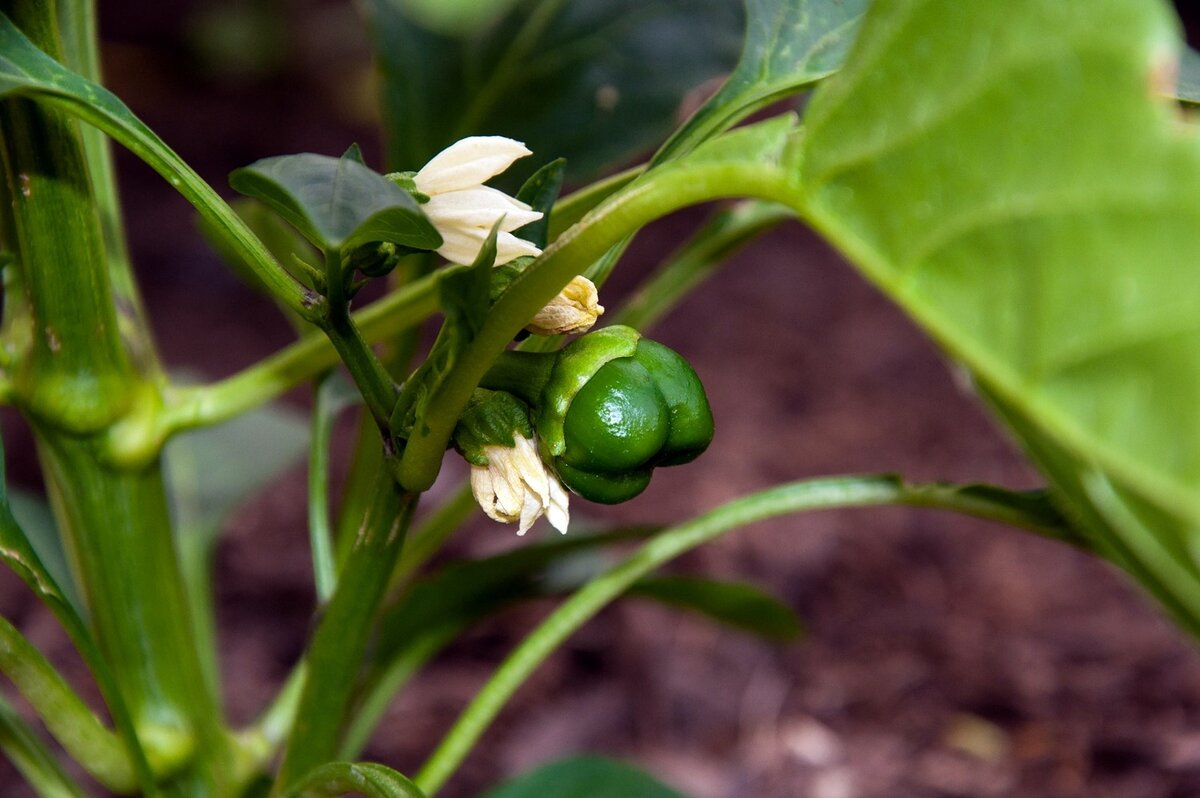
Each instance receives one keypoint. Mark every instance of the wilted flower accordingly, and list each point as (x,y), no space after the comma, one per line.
(574,310)
(516,487)
(464,210)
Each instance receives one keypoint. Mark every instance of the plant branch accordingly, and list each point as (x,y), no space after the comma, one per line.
(817,494)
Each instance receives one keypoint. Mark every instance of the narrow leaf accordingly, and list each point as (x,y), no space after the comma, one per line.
(735,604)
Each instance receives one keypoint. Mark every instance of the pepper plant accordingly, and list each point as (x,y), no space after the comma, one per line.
(1020,176)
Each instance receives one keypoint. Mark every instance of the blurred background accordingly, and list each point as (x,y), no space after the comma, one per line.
(942,656)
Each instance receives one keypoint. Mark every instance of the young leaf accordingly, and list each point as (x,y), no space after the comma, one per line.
(1013,175)
(595,81)
(585,777)
(790,44)
(540,192)
(336,202)
(736,604)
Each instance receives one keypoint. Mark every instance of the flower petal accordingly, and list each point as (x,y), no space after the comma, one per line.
(479,207)
(462,245)
(468,162)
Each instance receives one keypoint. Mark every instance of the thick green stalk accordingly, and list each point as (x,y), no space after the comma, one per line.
(337,648)
(816,494)
(74,382)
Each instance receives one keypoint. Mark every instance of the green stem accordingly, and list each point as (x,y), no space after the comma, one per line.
(293,365)
(523,374)
(817,494)
(428,537)
(655,195)
(340,640)
(367,371)
(101,752)
(81,50)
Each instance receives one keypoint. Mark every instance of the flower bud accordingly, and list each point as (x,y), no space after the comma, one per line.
(508,478)
(574,310)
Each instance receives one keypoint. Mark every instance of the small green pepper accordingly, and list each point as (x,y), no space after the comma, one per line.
(615,407)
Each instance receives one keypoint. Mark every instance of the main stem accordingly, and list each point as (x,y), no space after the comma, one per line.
(76,380)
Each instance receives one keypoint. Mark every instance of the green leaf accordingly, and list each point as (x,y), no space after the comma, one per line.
(540,192)
(594,81)
(358,778)
(1009,173)
(585,777)
(336,202)
(736,604)
(790,44)
(1187,87)
(209,472)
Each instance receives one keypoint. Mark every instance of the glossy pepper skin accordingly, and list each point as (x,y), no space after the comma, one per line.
(615,407)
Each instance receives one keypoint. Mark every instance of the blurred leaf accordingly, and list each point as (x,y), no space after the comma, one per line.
(336,202)
(209,472)
(359,778)
(1009,174)
(33,515)
(762,143)
(1187,87)
(594,81)
(456,17)
(584,777)
(790,44)
(735,604)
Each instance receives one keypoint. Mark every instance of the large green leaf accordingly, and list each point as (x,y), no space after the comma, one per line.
(1011,173)
(790,44)
(594,81)
(585,777)
(336,202)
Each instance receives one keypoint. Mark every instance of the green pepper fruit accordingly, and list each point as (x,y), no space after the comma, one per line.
(615,407)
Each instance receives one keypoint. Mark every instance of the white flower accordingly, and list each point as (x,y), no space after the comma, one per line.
(464,210)
(574,310)
(516,486)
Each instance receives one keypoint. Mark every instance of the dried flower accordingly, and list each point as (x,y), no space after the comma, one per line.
(464,210)
(516,487)
(574,310)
